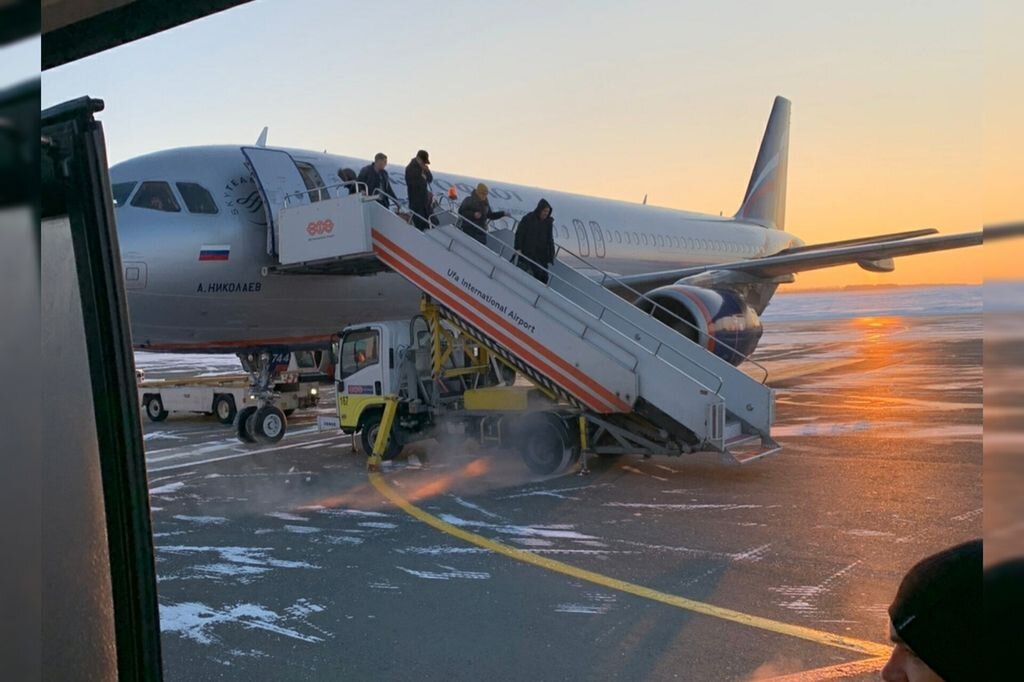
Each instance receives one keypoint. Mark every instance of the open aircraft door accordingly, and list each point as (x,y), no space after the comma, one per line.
(277,177)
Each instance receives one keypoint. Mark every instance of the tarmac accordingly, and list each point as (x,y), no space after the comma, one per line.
(288,561)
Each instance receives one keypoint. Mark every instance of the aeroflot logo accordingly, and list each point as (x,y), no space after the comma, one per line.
(320,227)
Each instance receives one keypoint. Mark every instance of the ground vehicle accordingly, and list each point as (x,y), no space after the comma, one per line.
(441,377)
(295,385)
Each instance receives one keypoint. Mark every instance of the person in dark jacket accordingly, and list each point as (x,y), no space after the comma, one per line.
(417,182)
(476,211)
(377,179)
(348,178)
(535,240)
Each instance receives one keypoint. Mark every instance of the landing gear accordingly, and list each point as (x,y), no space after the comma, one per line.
(246,422)
(270,423)
(263,421)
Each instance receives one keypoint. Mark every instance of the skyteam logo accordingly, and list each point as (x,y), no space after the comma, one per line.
(242,197)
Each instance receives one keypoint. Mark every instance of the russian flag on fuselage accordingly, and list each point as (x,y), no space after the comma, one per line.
(214,252)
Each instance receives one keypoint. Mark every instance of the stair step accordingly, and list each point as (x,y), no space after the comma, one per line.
(738,456)
(741,440)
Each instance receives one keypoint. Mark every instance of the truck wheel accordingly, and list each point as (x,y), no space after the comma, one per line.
(155,408)
(246,424)
(224,408)
(270,423)
(545,444)
(369,430)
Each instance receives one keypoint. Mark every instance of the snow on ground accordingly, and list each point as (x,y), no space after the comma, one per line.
(197,621)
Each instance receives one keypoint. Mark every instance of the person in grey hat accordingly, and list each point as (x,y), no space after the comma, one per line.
(475,211)
(935,620)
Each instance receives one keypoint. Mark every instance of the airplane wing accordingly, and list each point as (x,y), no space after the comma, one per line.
(829,255)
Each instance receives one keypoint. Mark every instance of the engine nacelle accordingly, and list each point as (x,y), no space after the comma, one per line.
(717,320)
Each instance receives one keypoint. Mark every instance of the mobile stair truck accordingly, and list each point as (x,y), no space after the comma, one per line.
(605,375)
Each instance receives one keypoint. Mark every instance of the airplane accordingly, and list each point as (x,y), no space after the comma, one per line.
(196,231)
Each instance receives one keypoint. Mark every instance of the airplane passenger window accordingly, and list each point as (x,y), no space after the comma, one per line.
(121,192)
(565,232)
(197,198)
(643,238)
(618,237)
(661,240)
(156,196)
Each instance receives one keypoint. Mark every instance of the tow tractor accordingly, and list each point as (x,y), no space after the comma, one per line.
(293,378)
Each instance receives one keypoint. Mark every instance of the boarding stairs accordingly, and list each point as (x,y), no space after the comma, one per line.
(573,336)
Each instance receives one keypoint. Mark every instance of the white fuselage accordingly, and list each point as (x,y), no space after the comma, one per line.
(180,299)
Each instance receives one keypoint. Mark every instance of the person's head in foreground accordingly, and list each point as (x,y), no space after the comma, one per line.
(1004,609)
(935,619)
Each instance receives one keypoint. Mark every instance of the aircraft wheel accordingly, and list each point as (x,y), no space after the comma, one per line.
(224,408)
(155,408)
(270,423)
(545,444)
(246,424)
(369,431)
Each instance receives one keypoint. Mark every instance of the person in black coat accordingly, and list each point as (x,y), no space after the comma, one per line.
(535,240)
(348,178)
(417,182)
(475,211)
(376,178)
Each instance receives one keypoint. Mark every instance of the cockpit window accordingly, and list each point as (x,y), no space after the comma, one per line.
(197,198)
(121,192)
(311,178)
(156,196)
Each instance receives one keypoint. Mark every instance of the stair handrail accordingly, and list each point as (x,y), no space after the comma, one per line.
(500,255)
(608,276)
(361,188)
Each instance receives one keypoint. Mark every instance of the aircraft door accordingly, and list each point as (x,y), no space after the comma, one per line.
(277,177)
(581,237)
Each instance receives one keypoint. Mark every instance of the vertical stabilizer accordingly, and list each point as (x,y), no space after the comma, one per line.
(765,200)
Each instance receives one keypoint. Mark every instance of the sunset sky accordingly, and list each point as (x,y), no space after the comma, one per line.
(905,114)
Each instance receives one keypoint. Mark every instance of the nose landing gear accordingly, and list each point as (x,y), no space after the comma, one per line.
(263,421)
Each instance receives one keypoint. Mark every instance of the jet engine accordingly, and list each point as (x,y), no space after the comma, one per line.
(719,321)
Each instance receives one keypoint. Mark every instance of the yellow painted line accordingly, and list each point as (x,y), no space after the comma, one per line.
(818,636)
(833,672)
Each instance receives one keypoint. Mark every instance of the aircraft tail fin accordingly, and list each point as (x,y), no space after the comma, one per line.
(765,200)
(261,141)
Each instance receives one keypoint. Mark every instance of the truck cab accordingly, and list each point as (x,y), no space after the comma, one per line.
(367,368)
(441,377)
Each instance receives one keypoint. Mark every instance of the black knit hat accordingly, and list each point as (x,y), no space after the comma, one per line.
(937,611)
